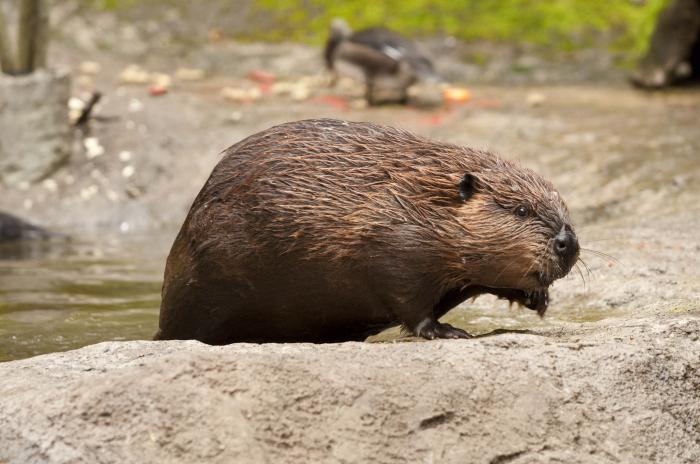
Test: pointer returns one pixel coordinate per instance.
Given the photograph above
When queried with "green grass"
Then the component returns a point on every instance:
(559, 25)
(555, 24)
(109, 4)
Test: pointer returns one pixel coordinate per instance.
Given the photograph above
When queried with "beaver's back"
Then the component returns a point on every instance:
(330, 185)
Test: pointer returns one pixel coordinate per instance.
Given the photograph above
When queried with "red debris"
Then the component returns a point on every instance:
(157, 90)
(261, 77)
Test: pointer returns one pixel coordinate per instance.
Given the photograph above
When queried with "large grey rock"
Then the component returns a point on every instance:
(34, 127)
(626, 392)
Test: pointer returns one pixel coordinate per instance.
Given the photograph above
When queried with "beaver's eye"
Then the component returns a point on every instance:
(522, 211)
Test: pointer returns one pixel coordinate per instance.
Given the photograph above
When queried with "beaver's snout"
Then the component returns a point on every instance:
(566, 247)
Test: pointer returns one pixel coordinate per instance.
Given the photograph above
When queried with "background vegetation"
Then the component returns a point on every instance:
(623, 25)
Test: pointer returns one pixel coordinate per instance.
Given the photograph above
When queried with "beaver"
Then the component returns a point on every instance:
(389, 62)
(327, 231)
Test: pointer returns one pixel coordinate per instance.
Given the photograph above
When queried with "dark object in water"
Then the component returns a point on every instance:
(674, 51)
(389, 62)
(327, 231)
(13, 229)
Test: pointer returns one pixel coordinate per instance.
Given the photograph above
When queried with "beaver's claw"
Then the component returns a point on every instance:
(435, 329)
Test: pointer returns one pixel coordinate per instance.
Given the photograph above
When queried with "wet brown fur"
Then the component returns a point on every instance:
(371, 215)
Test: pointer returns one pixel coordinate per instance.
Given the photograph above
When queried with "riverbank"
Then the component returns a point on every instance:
(627, 391)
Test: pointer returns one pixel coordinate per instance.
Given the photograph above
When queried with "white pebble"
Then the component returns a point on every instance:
(90, 67)
(93, 148)
(135, 105)
(128, 171)
(76, 104)
(50, 185)
(113, 196)
(88, 192)
(535, 98)
(125, 156)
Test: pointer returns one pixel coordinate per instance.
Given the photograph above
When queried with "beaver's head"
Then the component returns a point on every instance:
(518, 237)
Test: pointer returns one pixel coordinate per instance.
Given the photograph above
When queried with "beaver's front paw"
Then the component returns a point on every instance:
(431, 329)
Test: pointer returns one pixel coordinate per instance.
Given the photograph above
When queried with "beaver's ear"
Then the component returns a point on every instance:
(467, 187)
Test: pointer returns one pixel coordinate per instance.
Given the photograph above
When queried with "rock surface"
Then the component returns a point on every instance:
(35, 135)
(625, 391)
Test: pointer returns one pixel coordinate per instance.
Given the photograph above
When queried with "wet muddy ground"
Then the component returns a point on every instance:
(628, 164)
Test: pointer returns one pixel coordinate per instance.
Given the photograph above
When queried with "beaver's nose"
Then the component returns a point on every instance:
(566, 246)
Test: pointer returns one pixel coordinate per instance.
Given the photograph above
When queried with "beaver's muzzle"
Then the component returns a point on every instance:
(566, 248)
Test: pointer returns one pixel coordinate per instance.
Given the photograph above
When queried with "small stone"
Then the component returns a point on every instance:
(535, 98)
(300, 93)
(347, 85)
(135, 105)
(235, 116)
(241, 95)
(161, 80)
(125, 156)
(93, 149)
(281, 88)
(124, 227)
(133, 191)
(50, 185)
(75, 108)
(134, 74)
(90, 67)
(358, 104)
(27, 203)
(189, 74)
(88, 192)
(112, 196)
(76, 104)
(128, 171)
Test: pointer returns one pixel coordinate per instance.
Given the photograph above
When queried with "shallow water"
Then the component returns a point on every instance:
(65, 295)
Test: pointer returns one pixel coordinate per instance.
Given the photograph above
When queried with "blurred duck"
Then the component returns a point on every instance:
(389, 62)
